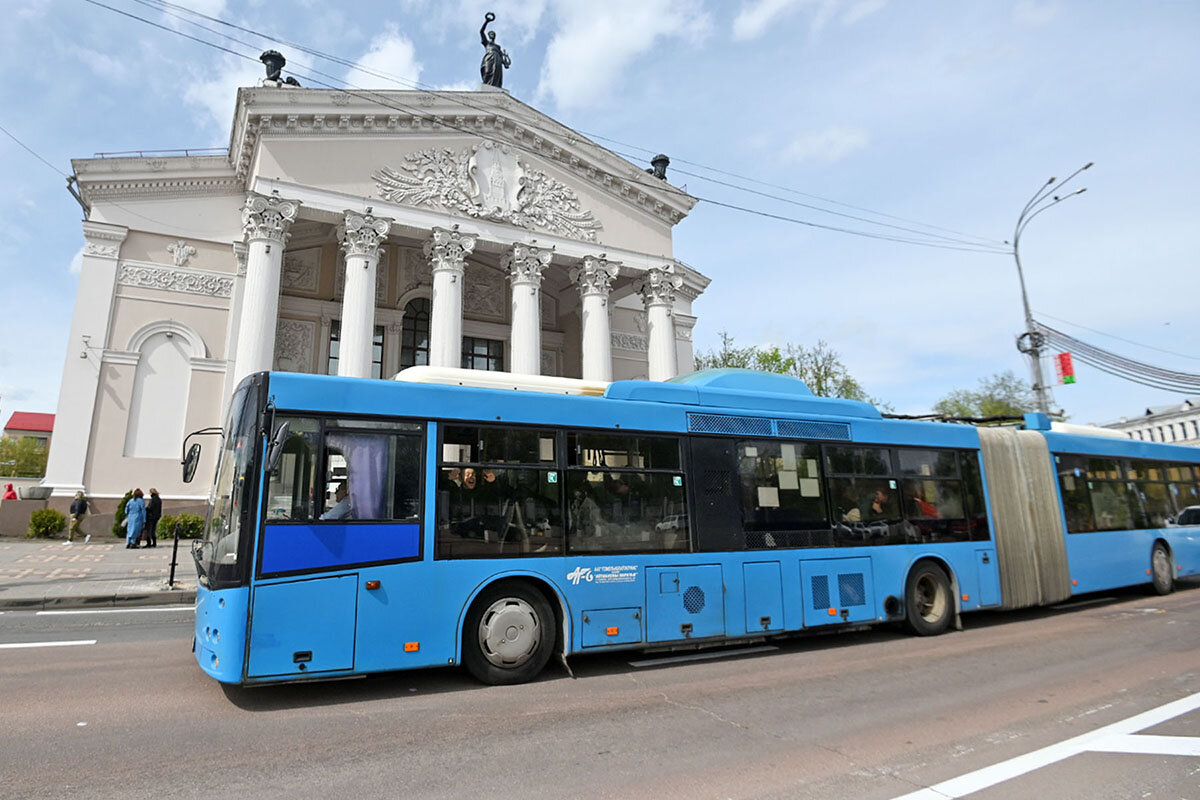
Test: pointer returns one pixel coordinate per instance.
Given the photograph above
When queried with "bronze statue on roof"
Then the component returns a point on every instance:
(495, 60)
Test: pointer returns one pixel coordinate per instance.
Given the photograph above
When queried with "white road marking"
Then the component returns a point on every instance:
(1117, 732)
(117, 610)
(1150, 745)
(17, 645)
(741, 651)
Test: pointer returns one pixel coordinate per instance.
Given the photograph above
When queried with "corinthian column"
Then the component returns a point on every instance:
(447, 251)
(595, 279)
(525, 266)
(266, 221)
(361, 236)
(658, 289)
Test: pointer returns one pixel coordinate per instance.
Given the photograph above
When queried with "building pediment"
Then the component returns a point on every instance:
(494, 162)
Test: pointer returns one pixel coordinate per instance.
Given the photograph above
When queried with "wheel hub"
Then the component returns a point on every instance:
(509, 633)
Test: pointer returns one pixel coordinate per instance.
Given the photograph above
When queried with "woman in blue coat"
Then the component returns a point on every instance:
(135, 518)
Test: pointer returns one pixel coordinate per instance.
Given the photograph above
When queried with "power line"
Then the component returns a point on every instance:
(1118, 338)
(1119, 366)
(33, 153)
(373, 97)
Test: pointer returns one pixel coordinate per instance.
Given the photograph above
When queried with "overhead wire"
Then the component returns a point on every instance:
(935, 240)
(1119, 366)
(32, 152)
(1118, 338)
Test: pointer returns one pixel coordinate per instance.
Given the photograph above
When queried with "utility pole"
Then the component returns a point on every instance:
(1032, 341)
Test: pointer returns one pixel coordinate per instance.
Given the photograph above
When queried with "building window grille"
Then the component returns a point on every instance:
(414, 338)
(485, 354)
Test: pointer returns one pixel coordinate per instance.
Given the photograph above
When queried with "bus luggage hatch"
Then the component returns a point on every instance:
(303, 627)
(837, 590)
(684, 603)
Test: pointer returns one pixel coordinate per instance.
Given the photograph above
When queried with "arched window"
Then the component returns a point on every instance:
(414, 339)
(159, 400)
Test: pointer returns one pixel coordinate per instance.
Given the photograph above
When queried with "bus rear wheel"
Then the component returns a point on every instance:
(509, 634)
(927, 600)
(1162, 579)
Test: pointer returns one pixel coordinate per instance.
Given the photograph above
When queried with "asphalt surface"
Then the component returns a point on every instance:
(874, 714)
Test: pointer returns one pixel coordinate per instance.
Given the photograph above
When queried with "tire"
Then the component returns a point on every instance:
(509, 634)
(1162, 579)
(928, 603)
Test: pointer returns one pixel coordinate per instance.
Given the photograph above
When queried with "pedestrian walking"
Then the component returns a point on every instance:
(153, 515)
(135, 519)
(79, 509)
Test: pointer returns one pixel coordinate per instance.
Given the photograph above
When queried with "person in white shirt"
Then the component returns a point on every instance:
(341, 509)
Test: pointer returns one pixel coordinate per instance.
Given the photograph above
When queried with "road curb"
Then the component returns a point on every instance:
(103, 600)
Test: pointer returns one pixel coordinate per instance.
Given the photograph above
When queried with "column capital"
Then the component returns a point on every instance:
(595, 275)
(447, 249)
(102, 240)
(659, 285)
(526, 262)
(362, 234)
(267, 218)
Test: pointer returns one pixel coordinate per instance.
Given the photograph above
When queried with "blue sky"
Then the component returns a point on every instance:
(945, 113)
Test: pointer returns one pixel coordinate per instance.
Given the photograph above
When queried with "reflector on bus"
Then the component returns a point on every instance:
(484, 379)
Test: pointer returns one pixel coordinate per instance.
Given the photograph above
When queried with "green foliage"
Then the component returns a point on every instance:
(118, 529)
(819, 366)
(191, 526)
(23, 457)
(1003, 394)
(44, 523)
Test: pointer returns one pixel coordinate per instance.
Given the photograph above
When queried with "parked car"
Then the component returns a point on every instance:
(1189, 516)
(672, 523)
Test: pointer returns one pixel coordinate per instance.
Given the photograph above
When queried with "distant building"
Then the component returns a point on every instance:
(30, 425)
(1178, 424)
(355, 235)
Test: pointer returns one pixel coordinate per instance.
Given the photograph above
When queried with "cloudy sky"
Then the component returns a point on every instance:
(942, 114)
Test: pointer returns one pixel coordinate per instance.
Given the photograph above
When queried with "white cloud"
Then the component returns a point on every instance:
(757, 16)
(76, 265)
(832, 144)
(212, 8)
(1035, 13)
(517, 21)
(215, 96)
(390, 53)
(594, 45)
(102, 64)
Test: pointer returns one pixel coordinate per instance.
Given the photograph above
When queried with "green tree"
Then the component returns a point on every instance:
(819, 366)
(22, 456)
(1002, 394)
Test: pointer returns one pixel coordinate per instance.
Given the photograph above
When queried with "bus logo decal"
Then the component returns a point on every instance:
(580, 574)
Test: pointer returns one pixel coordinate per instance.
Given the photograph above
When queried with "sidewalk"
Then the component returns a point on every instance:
(46, 573)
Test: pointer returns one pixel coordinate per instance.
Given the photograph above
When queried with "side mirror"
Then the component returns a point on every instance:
(275, 451)
(190, 462)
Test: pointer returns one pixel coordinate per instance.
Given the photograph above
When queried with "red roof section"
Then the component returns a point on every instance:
(30, 421)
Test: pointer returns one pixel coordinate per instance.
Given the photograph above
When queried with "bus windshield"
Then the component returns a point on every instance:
(218, 552)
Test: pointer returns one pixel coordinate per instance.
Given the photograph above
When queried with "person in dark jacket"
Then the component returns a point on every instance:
(79, 509)
(153, 515)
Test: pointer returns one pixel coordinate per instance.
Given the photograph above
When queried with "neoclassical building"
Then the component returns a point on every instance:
(1179, 423)
(355, 234)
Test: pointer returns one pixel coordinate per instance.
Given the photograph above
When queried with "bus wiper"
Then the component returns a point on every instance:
(197, 549)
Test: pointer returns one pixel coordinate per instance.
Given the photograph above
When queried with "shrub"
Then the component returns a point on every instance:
(118, 529)
(191, 526)
(45, 522)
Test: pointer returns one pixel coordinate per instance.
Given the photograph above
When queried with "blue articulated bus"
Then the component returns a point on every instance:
(361, 526)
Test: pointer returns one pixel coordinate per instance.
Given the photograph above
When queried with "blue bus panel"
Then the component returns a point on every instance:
(302, 548)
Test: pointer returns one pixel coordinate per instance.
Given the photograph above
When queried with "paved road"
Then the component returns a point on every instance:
(865, 715)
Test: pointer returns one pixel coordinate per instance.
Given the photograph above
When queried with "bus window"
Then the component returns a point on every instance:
(1077, 501)
(498, 494)
(371, 474)
(864, 497)
(625, 494)
(932, 492)
(975, 509)
(1112, 505)
(290, 488)
(782, 498)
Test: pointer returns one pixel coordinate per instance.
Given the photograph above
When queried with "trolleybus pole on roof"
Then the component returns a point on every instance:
(1032, 340)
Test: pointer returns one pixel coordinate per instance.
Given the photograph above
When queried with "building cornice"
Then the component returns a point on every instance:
(494, 116)
(129, 178)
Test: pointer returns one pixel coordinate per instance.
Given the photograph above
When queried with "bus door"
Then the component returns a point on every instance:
(302, 626)
(685, 602)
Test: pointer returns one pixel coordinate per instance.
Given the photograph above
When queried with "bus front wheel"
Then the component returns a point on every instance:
(927, 600)
(1162, 579)
(509, 634)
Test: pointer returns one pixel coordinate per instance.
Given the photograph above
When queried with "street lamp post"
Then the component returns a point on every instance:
(1031, 341)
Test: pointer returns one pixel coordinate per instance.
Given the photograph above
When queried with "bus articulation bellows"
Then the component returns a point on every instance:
(361, 526)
